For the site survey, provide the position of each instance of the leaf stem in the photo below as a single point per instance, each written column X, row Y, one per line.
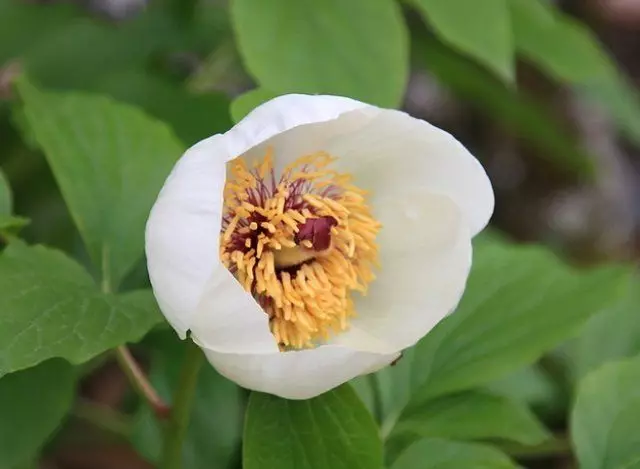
column 139, row 381
column 378, row 408
column 127, row 363
column 183, row 398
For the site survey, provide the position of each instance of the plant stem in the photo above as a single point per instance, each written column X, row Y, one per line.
column 127, row 363
column 139, row 381
column 181, row 411
column 378, row 410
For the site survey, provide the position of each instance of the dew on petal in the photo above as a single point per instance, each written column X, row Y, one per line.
column 301, row 243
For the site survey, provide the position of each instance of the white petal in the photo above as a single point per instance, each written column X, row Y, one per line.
column 229, row 320
column 183, row 231
column 297, row 375
column 182, row 234
column 425, row 250
column 395, row 150
column 285, row 113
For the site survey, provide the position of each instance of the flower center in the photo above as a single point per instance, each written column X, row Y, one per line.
column 301, row 244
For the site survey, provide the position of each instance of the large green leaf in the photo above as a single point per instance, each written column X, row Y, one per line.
column 33, row 403
column 520, row 301
column 570, row 52
column 442, row 454
column 215, row 424
column 604, row 421
column 110, row 161
column 192, row 116
column 480, row 29
column 331, row 431
column 356, row 48
column 471, row 415
column 612, row 334
column 52, row 308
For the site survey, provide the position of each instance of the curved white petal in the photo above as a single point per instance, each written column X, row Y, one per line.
column 229, row 320
column 297, row 375
column 183, row 230
column 284, row 113
column 425, row 254
column 182, row 234
column 395, row 150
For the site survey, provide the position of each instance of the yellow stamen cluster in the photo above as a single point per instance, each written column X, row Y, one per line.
column 305, row 291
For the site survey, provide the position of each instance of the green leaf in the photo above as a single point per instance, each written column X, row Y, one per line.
column 357, row 48
column 480, row 29
column 8, row 222
column 33, row 404
column 520, row 301
column 471, row 415
column 331, row 431
column 612, row 334
column 560, row 45
column 6, row 203
column 604, row 421
column 23, row 25
column 516, row 111
column 215, row 424
column 569, row 51
column 443, row 454
column 73, row 51
column 52, row 308
column 534, row 387
column 110, row 161
column 247, row 102
column 192, row 116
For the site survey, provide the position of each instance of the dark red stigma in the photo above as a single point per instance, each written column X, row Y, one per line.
column 318, row 231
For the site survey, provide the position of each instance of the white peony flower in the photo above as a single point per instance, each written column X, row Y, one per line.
column 315, row 240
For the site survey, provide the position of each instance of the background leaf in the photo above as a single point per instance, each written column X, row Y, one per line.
column 519, row 303
column 52, row 308
column 215, row 425
column 33, row 403
column 320, row 47
column 192, row 116
column 110, row 161
column 567, row 50
column 604, row 421
column 332, row 431
column 534, row 387
column 442, row 454
column 471, row 415
column 5, row 196
column 515, row 110
column 8, row 222
column 463, row 25
column 22, row 25
column 611, row 335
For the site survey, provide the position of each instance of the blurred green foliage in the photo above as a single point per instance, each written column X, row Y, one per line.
column 104, row 108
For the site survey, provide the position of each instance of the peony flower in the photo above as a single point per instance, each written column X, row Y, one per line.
column 314, row 241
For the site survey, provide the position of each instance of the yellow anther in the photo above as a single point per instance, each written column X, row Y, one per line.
column 307, row 293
